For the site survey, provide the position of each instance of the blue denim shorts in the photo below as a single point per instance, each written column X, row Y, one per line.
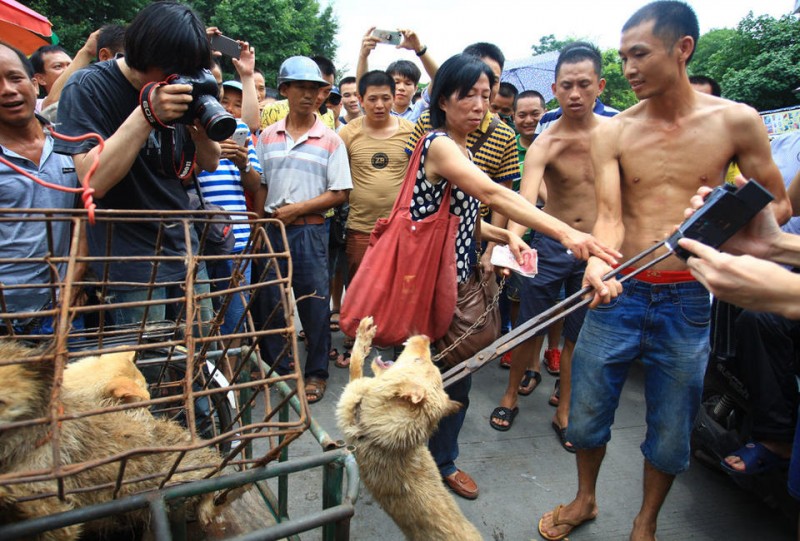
column 664, row 325
column 558, row 271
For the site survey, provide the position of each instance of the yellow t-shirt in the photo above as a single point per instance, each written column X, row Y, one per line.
column 377, row 167
column 280, row 110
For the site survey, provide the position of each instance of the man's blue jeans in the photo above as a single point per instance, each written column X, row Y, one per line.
column 443, row 445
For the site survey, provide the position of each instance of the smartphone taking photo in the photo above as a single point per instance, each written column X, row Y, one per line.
column 391, row 37
column 225, row 45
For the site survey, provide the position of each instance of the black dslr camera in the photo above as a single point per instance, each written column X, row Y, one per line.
column 217, row 122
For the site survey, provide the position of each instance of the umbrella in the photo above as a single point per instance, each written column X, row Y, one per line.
column 22, row 27
column 532, row 73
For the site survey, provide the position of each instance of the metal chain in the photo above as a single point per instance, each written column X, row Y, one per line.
column 481, row 319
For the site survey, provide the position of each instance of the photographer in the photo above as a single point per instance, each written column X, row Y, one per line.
column 165, row 38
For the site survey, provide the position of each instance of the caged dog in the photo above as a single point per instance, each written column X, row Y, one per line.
column 389, row 419
column 88, row 385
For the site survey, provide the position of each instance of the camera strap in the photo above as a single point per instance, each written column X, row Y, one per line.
column 146, row 102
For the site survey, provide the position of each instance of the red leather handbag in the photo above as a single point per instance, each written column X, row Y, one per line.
column 407, row 279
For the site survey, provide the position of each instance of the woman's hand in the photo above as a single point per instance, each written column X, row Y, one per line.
column 583, row 246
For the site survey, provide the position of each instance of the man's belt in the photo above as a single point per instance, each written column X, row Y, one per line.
column 309, row 219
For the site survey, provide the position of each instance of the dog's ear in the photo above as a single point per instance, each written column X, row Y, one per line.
column 412, row 392
column 126, row 390
column 452, row 407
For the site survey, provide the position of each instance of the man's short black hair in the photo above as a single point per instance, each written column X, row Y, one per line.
column 37, row 58
column 672, row 21
column 349, row 80
column 578, row 51
column 168, row 36
column 457, row 75
column 404, row 68
column 486, row 50
column 716, row 90
column 507, row 90
column 111, row 37
column 529, row 94
column 375, row 78
column 26, row 63
column 325, row 65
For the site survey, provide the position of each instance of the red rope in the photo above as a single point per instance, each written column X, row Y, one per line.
column 85, row 190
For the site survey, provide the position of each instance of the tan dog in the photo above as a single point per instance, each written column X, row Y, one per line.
column 389, row 419
column 25, row 396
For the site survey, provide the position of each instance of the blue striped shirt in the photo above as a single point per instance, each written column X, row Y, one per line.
column 224, row 187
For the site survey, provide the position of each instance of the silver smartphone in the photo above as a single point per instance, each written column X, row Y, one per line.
column 240, row 136
column 392, row 37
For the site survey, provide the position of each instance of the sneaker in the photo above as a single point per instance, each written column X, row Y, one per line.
column 552, row 361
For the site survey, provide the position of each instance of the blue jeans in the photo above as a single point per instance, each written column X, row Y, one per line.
column 558, row 271
column 220, row 273
column 158, row 312
column 443, row 445
column 308, row 246
column 664, row 325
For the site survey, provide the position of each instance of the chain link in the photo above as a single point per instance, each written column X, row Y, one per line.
column 478, row 322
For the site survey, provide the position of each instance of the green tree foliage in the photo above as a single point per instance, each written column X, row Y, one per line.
column 708, row 45
column 276, row 28
column 618, row 93
column 758, row 63
column 549, row 43
column 74, row 20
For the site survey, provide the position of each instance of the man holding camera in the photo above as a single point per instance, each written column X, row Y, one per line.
column 137, row 169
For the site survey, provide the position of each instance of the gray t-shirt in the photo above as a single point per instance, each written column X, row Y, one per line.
column 29, row 239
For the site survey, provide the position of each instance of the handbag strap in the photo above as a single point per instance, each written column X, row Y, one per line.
column 403, row 200
column 476, row 146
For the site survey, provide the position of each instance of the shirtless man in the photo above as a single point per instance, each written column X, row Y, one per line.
column 648, row 161
column 560, row 157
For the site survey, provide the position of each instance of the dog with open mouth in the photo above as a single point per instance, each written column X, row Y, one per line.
column 388, row 419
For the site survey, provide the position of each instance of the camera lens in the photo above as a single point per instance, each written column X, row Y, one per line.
column 218, row 123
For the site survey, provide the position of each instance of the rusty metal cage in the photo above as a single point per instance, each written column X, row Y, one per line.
column 211, row 384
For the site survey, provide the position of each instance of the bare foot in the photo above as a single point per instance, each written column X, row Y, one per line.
column 642, row 531
column 560, row 522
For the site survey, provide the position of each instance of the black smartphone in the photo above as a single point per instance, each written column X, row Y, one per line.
column 225, row 45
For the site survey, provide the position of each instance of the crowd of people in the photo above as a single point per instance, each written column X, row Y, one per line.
column 586, row 186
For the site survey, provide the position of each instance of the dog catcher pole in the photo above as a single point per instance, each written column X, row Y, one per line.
column 526, row 330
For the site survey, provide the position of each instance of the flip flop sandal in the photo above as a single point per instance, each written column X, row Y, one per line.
column 315, row 389
column 343, row 360
column 558, row 521
column 301, row 336
column 562, row 437
column 504, row 414
column 756, row 459
column 334, row 323
column 555, row 396
column 529, row 382
column 333, row 355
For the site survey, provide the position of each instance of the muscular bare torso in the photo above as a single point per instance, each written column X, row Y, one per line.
column 662, row 164
column 569, row 176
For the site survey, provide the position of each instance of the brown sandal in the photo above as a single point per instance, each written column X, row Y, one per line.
column 315, row 389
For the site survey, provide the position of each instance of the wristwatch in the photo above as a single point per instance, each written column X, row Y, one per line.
column 246, row 169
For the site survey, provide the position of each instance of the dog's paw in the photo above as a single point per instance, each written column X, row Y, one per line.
column 366, row 330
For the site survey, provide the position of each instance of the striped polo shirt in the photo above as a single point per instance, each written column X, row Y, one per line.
column 296, row 171
column 224, row 187
column 497, row 157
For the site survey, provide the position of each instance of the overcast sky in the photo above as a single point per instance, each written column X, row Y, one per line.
column 447, row 26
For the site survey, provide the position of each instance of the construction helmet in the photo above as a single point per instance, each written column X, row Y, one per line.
column 300, row 68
